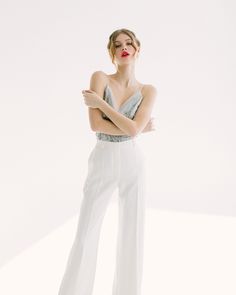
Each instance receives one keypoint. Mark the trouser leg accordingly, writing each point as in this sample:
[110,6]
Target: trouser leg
[98,188]
[129,260]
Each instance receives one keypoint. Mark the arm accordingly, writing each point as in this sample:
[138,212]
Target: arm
[110,128]
[97,123]
[122,122]
[97,84]
[142,116]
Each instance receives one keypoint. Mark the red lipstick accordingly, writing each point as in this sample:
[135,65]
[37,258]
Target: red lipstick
[124,53]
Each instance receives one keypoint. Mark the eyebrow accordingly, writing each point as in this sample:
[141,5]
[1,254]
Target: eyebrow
[125,40]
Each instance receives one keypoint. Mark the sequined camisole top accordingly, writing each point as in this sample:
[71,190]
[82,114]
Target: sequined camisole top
[128,109]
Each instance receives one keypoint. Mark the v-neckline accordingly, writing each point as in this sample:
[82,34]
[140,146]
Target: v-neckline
[125,102]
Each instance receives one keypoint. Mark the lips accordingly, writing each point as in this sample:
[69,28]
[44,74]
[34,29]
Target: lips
[124,53]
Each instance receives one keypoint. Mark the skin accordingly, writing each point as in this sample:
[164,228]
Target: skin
[123,84]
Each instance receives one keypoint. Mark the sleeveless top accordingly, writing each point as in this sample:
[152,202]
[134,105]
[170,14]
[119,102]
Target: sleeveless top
[128,109]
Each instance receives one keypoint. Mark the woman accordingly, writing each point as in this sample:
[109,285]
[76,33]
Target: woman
[119,110]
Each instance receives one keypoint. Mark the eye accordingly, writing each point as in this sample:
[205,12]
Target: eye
[119,45]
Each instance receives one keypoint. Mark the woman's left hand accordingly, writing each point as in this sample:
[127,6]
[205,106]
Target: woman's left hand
[91,98]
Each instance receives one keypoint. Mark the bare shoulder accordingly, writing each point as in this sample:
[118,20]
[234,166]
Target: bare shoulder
[107,78]
[98,81]
[149,90]
[98,76]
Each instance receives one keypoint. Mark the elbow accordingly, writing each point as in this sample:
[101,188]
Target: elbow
[95,126]
[133,134]
[134,131]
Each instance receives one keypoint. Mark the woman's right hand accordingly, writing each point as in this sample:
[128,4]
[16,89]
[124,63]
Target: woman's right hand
[150,125]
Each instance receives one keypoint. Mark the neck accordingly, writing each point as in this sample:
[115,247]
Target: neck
[125,75]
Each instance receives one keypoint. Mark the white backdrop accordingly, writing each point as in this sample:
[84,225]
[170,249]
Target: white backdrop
[48,52]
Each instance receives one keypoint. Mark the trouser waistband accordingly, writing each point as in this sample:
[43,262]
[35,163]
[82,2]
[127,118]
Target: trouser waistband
[132,141]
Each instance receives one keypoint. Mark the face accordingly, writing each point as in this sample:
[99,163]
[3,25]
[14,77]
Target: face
[123,43]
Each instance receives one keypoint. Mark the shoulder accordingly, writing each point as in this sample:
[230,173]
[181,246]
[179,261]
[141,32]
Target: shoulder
[149,90]
[99,76]
[98,82]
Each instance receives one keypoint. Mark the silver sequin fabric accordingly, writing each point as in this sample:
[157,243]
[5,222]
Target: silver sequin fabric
[128,109]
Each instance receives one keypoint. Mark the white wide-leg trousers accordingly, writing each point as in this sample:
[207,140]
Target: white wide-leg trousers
[110,165]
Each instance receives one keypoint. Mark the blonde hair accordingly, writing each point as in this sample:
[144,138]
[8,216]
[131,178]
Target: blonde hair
[111,45]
